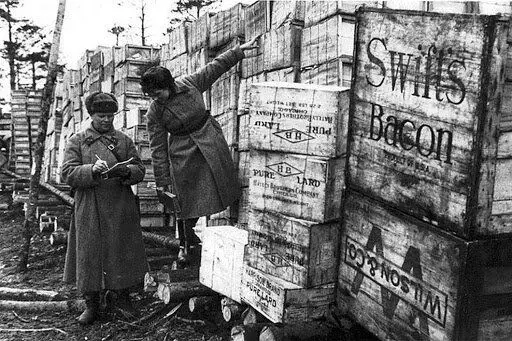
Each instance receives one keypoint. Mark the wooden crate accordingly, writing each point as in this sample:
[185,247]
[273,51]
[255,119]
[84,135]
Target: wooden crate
[337,72]
[405,279]
[226,25]
[257,19]
[128,86]
[198,33]
[287,11]
[146,188]
[130,69]
[299,118]
[284,302]
[228,123]
[197,60]
[431,151]
[301,186]
[493,7]
[254,61]
[316,11]
[150,205]
[129,101]
[243,168]
[244,93]
[177,41]
[136,116]
[152,220]
[289,75]
[294,250]
[178,65]
[282,47]
[329,39]
[224,93]
[222,255]
[131,52]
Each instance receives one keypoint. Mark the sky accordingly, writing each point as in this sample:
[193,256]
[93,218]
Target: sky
[86,25]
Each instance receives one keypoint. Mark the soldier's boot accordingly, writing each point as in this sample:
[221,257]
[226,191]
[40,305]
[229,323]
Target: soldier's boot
[124,305]
[92,306]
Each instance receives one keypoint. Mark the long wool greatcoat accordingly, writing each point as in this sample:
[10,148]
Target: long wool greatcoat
[105,247]
[205,180]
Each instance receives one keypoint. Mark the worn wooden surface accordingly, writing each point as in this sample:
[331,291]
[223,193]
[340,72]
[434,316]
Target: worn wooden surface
[301,186]
[226,25]
[299,118]
[404,279]
[198,33]
[178,65]
[423,138]
[178,40]
[281,301]
[337,72]
[222,259]
[327,40]
[282,47]
[294,250]
[284,12]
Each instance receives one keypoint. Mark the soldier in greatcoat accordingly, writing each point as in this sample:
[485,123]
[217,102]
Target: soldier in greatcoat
[105,247]
[190,155]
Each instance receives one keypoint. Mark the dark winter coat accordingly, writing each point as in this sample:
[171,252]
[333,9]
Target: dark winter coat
[205,179]
[105,247]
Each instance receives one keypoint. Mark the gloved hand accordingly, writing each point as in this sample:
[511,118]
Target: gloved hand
[120,172]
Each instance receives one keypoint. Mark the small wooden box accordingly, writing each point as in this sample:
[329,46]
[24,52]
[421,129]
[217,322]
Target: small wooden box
[294,250]
[284,302]
[222,255]
[434,150]
[301,186]
[299,118]
[404,279]
[134,53]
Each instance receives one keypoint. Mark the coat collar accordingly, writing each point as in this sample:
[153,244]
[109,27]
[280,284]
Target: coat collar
[92,134]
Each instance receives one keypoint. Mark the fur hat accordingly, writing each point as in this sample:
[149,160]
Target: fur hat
[101,102]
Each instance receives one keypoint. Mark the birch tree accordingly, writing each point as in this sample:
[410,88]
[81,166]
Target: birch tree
[30,217]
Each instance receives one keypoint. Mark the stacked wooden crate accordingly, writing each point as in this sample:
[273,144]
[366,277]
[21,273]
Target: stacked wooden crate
[130,63]
[425,250]
[25,114]
[226,32]
[297,161]
[327,43]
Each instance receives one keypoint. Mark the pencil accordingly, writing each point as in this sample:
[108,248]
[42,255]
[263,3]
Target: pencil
[98,157]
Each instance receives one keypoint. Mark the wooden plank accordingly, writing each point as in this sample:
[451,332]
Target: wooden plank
[222,259]
[289,75]
[421,145]
[301,186]
[294,250]
[197,60]
[299,118]
[284,302]
[404,279]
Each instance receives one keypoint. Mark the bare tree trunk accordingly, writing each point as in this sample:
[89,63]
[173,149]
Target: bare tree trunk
[142,7]
[33,74]
[11,51]
[30,216]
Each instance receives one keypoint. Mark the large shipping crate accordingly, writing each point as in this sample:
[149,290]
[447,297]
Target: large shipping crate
[316,11]
[299,118]
[294,250]
[222,256]
[404,279]
[301,186]
[198,33]
[226,25]
[257,19]
[425,118]
[284,302]
[177,41]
